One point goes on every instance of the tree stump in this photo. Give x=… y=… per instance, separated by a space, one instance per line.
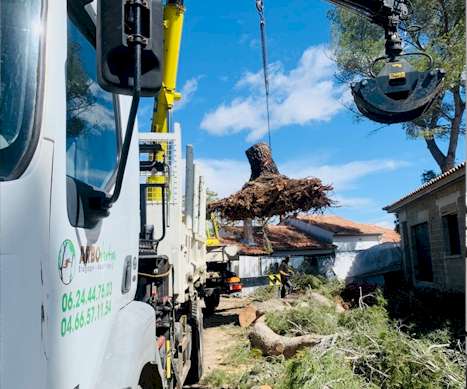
x=261 y=162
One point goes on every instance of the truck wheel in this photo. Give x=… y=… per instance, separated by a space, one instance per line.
x=212 y=301
x=149 y=378
x=196 y=323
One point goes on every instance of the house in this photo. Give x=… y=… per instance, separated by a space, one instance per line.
x=432 y=225
x=352 y=241
x=254 y=261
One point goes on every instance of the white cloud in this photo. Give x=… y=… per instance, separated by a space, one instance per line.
x=386 y=223
x=224 y=176
x=227 y=176
x=353 y=202
x=188 y=91
x=301 y=96
x=343 y=176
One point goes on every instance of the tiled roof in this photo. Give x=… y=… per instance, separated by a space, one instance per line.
x=426 y=187
x=341 y=226
x=282 y=238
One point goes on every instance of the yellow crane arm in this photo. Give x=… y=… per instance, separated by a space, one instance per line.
x=174 y=13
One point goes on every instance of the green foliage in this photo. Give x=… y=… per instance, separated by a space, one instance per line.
x=264 y=293
x=389 y=358
x=242 y=353
x=369 y=349
x=220 y=378
x=331 y=289
x=266 y=371
x=328 y=288
x=428 y=175
x=312 y=370
x=304 y=319
x=305 y=281
x=374 y=319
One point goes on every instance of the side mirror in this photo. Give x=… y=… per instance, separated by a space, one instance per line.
x=115 y=56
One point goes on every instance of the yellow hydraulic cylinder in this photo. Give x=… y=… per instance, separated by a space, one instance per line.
x=174 y=13
x=168 y=360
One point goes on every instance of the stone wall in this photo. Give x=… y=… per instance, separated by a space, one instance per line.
x=448 y=271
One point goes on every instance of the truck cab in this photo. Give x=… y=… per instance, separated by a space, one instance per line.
x=70 y=312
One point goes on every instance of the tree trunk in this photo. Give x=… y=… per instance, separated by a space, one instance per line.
x=272 y=344
x=261 y=162
x=248 y=237
x=459 y=107
x=447 y=161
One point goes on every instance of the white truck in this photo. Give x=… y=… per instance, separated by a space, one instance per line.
x=88 y=296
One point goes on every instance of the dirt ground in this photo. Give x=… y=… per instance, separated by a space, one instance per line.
x=221 y=331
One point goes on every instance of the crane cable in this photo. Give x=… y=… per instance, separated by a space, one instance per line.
x=262 y=26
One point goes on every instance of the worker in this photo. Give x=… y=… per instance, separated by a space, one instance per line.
x=285 y=272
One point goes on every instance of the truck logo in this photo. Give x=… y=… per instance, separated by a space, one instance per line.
x=66 y=261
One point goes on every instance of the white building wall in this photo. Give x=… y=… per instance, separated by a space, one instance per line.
x=347 y=250
x=356 y=242
x=253 y=270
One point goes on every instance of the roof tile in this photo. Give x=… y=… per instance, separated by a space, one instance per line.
x=341 y=226
x=427 y=185
x=282 y=238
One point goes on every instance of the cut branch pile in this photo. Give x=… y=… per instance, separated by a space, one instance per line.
x=269 y=193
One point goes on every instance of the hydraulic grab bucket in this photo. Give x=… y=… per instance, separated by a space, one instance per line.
x=398 y=93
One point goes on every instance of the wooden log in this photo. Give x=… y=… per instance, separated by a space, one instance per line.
x=248 y=316
x=252 y=312
x=272 y=344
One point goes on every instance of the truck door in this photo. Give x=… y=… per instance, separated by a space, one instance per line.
x=92 y=253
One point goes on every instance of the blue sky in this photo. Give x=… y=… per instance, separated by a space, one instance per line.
x=222 y=113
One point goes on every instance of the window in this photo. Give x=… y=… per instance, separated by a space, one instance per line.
x=93 y=134
x=452 y=244
x=423 y=267
x=20 y=32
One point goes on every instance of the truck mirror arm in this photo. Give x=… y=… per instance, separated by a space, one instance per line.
x=138 y=42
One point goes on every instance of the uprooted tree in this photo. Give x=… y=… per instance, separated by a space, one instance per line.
x=269 y=193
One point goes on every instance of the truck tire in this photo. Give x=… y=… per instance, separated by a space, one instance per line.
x=196 y=323
x=212 y=301
x=149 y=378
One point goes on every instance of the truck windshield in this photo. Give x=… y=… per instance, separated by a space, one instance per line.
x=20 y=30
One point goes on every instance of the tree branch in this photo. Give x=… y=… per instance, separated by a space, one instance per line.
x=435 y=151
x=445 y=16
x=459 y=107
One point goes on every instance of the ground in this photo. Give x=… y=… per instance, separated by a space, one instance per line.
x=221 y=333
x=369 y=342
